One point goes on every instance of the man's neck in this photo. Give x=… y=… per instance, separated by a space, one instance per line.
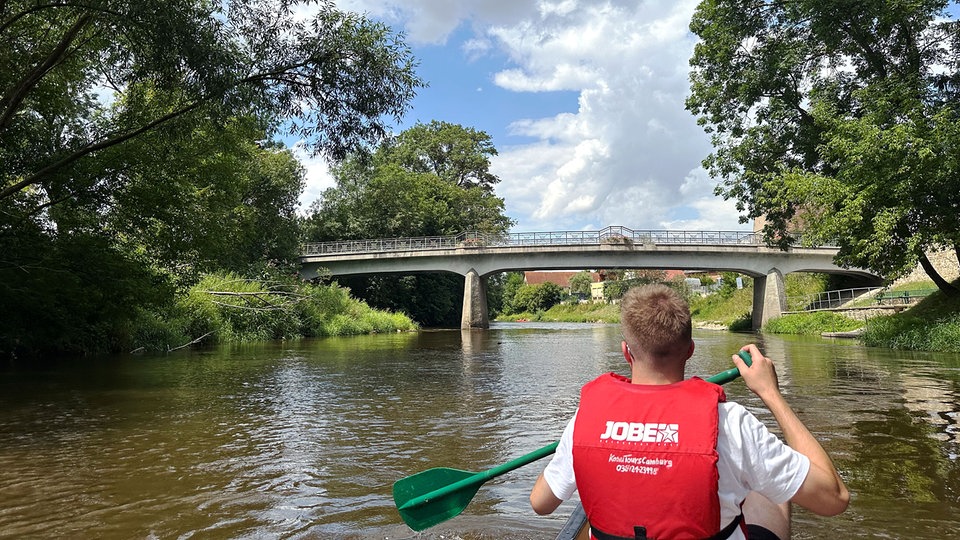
x=647 y=376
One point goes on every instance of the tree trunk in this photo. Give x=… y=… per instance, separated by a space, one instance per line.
x=941 y=283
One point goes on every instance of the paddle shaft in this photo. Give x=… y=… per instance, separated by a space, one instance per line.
x=481 y=477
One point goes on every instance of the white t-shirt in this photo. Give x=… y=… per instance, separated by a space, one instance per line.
x=751 y=459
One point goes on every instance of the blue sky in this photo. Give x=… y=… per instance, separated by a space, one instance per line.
x=582 y=99
x=462 y=91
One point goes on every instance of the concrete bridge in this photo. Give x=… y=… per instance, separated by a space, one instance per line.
x=476 y=256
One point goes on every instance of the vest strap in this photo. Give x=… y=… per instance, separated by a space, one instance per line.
x=640 y=533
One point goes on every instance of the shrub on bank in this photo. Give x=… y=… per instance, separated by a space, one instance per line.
x=914 y=333
x=225 y=308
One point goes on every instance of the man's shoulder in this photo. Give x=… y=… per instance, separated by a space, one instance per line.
x=732 y=407
x=733 y=415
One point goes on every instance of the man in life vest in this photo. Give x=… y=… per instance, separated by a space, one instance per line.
x=656 y=456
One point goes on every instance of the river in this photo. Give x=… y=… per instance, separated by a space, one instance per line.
x=305 y=439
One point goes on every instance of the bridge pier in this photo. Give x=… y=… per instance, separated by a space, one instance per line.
x=769 y=298
x=474 y=302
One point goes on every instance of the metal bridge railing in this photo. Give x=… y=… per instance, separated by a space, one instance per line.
x=610 y=235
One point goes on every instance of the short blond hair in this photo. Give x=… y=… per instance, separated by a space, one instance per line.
x=655 y=322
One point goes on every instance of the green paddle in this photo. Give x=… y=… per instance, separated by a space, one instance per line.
x=436 y=495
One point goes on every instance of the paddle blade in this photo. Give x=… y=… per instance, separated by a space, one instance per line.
x=435 y=508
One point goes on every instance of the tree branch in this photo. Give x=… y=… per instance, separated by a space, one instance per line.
x=190 y=343
x=18 y=92
x=10 y=190
x=26 y=215
x=874 y=59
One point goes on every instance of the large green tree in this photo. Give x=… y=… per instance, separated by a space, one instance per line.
x=333 y=77
x=389 y=194
x=220 y=202
x=457 y=154
x=837 y=121
x=135 y=147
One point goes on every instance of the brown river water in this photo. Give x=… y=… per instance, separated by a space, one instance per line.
x=305 y=439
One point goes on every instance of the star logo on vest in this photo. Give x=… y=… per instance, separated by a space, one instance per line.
x=668 y=433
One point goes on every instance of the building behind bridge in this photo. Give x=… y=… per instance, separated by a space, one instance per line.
x=599 y=278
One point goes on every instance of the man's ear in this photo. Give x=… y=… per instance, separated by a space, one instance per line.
x=626 y=352
x=693 y=346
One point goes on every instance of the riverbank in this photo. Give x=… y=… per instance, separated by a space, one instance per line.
x=931 y=325
x=577 y=313
x=228 y=309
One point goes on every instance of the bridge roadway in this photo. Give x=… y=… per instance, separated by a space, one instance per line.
x=476 y=256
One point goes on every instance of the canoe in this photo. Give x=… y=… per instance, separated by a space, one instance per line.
x=576 y=527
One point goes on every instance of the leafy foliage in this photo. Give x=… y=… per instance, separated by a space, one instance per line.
x=70 y=293
x=135 y=139
x=227 y=308
x=835 y=121
x=534 y=298
x=402 y=191
x=580 y=283
x=431 y=180
x=334 y=76
x=614 y=290
x=459 y=155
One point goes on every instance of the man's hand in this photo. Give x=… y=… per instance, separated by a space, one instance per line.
x=761 y=375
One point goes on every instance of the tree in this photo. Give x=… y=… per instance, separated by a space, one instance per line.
x=225 y=202
x=386 y=195
x=836 y=122
x=512 y=283
x=533 y=298
x=393 y=202
x=333 y=77
x=429 y=180
x=580 y=283
x=135 y=143
x=460 y=155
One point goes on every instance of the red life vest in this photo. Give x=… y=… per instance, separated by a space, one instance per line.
x=646 y=456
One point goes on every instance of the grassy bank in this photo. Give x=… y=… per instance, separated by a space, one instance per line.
x=730 y=310
x=931 y=325
x=599 y=312
x=814 y=323
x=223 y=308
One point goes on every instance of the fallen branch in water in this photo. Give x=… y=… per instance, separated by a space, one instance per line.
x=190 y=343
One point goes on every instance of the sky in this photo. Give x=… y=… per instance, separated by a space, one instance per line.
x=583 y=100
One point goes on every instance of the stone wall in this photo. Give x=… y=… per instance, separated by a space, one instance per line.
x=944 y=261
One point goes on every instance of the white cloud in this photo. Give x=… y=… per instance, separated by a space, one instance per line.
x=432 y=21
x=317 y=175
x=630 y=153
